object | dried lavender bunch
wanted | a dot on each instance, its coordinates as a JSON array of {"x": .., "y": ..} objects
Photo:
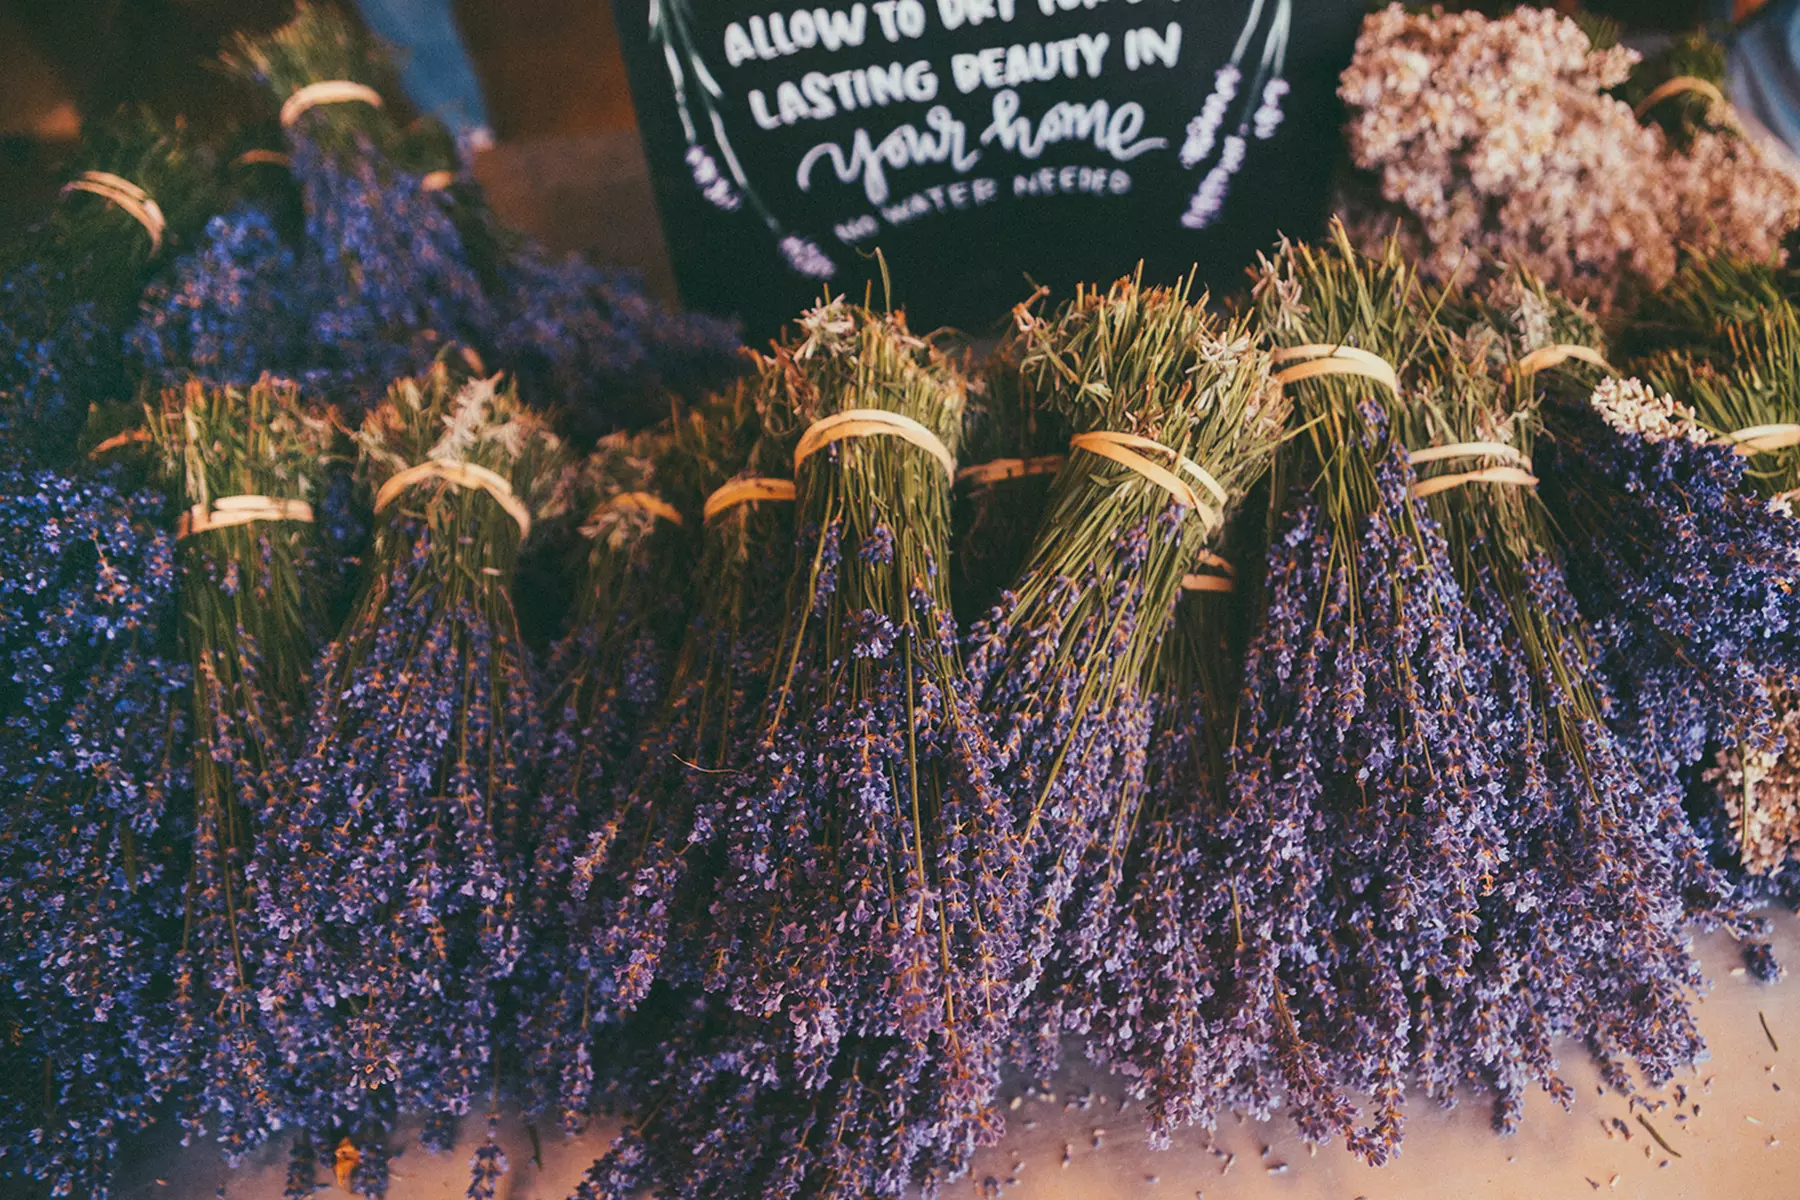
[
  {"x": 1740, "y": 381},
  {"x": 251, "y": 616},
  {"x": 1015, "y": 447},
  {"x": 91, "y": 751},
  {"x": 389, "y": 886},
  {"x": 68, "y": 287},
  {"x": 1495, "y": 142},
  {"x": 388, "y": 275},
  {"x": 605, "y": 678},
  {"x": 1597, "y": 862},
  {"x": 862, "y": 911},
  {"x": 1066, "y": 659},
  {"x": 1357, "y": 827}
]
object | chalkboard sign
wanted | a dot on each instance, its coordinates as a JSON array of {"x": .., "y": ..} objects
[{"x": 978, "y": 143}]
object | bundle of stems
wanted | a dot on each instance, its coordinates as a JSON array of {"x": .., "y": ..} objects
[
  {"x": 605, "y": 678},
  {"x": 1748, "y": 383},
  {"x": 138, "y": 190},
  {"x": 1358, "y": 825},
  {"x": 1596, "y": 860},
  {"x": 91, "y": 751},
  {"x": 244, "y": 466},
  {"x": 1066, "y": 660},
  {"x": 389, "y": 886},
  {"x": 856, "y": 930}
]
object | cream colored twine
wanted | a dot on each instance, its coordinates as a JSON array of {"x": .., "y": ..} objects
[
  {"x": 1001, "y": 469},
  {"x": 868, "y": 422},
  {"x": 117, "y": 440},
  {"x": 463, "y": 475},
  {"x": 1676, "y": 87},
  {"x": 1225, "y": 582},
  {"x": 1513, "y": 476},
  {"x": 436, "y": 181},
  {"x": 230, "y": 511},
  {"x": 126, "y": 196},
  {"x": 1123, "y": 448},
  {"x": 746, "y": 491},
  {"x": 1760, "y": 439},
  {"x": 1545, "y": 357},
  {"x": 273, "y": 158},
  {"x": 329, "y": 91},
  {"x": 656, "y": 506},
  {"x": 1319, "y": 358},
  {"x": 1468, "y": 450}
]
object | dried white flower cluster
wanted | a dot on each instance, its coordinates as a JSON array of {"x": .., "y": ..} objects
[
  {"x": 1633, "y": 406},
  {"x": 1493, "y": 143},
  {"x": 1772, "y": 835}
]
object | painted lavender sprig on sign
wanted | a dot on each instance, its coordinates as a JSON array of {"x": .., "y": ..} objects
[
  {"x": 244, "y": 466},
  {"x": 390, "y": 886},
  {"x": 1173, "y": 418},
  {"x": 92, "y": 752}
]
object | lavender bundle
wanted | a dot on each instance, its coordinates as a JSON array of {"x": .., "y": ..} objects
[
  {"x": 1173, "y": 419},
  {"x": 390, "y": 885},
  {"x": 860, "y": 918},
  {"x": 68, "y": 288},
  {"x": 605, "y": 678},
  {"x": 245, "y": 466},
  {"x": 91, "y": 755},
  {"x": 1583, "y": 922}
]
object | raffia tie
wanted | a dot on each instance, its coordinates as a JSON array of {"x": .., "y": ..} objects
[
  {"x": 328, "y": 91},
  {"x": 1760, "y": 439},
  {"x": 1123, "y": 449},
  {"x": 126, "y": 196},
  {"x": 118, "y": 440},
  {"x": 1226, "y": 581},
  {"x": 462, "y": 475},
  {"x": 869, "y": 422},
  {"x": 1545, "y": 357},
  {"x": 655, "y": 505},
  {"x": 1000, "y": 469},
  {"x": 1513, "y": 475},
  {"x": 1677, "y": 86},
  {"x": 746, "y": 491},
  {"x": 255, "y": 157},
  {"x": 1320, "y": 358},
  {"x": 229, "y": 511}
]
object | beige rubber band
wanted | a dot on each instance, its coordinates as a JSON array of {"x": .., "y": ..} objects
[
  {"x": 273, "y": 158},
  {"x": 1207, "y": 583},
  {"x": 329, "y": 91},
  {"x": 230, "y": 511},
  {"x": 867, "y": 422},
  {"x": 746, "y": 491},
  {"x": 1326, "y": 359},
  {"x": 1759, "y": 439},
  {"x": 1675, "y": 87},
  {"x": 1209, "y": 559},
  {"x": 656, "y": 506},
  {"x": 126, "y": 196},
  {"x": 1468, "y": 450},
  {"x": 462, "y": 475},
  {"x": 1511, "y": 476},
  {"x": 1001, "y": 469},
  {"x": 1545, "y": 357},
  {"x": 117, "y": 440},
  {"x": 1123, "y": 448}
]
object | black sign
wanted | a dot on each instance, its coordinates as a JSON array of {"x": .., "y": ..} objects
[{"x": 979, "y": 143}]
